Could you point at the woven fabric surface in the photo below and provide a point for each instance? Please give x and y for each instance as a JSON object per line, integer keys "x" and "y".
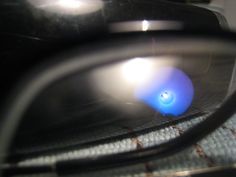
{"x": 217, "y": 149}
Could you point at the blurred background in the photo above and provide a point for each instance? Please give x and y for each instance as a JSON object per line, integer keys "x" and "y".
{"x": 225, "y": 7}
{"x": 30, "y": 36}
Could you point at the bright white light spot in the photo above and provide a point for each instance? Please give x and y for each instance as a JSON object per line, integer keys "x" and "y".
{"x": 137, "y": 71}
{"x": 165, "y": 95}
{"x": 68, "y": 7}
{"x": 145, "y": 25}
{"x": 73, "y": 4}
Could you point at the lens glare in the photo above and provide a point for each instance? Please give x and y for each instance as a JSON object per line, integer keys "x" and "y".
{"x": 170, "y": 92}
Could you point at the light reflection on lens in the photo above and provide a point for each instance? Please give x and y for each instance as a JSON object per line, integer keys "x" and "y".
{"x": 68, "y": 7}
{"x": 167, "y": 97}
{"x": 137, "y": 71}
{"x": 145, "y": 25}
{"x": 70, "y": 3}
{"x": 154, "y": 81}
{"x": 170, "y": 92}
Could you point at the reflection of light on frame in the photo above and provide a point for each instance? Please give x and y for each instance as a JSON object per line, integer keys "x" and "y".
{"x": 144, "y": 25}
{"x": 68, "y": 7}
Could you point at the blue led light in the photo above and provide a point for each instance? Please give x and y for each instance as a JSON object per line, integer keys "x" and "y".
{"x": 170, "y": 92}
{"x": 166, "y": 97}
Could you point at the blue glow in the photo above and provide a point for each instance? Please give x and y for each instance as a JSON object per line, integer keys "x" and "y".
{"x": 170, "y": 92}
